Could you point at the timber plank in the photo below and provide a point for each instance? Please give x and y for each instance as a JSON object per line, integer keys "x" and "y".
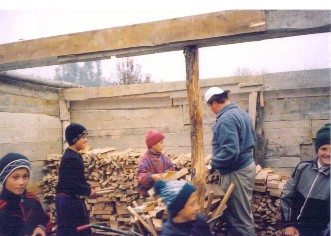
{"x": 123, "y": 103}
{"x": 23, "y": 104}
{"x": 165, "y": 35}
{"x": 128, "y": 118}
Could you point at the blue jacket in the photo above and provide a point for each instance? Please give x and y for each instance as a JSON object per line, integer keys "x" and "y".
{"x": 233, "y": 139}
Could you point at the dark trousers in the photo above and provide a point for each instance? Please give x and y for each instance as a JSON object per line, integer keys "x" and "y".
{"x": 70, "y": 213}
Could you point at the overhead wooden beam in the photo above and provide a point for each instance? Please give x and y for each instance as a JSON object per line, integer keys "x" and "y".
{"x": 165, "y": 35}
{"x": 212, "y": 29}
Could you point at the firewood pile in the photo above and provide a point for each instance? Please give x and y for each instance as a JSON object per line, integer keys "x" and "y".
{"x": 118, "y": 204}
{"x": 266, "y": 203}
{"x": 112, "y": 173}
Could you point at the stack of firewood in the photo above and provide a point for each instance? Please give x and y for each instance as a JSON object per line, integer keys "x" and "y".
{"x": 112, "y": 173}
{"x": 266, "y": 212}
{"x": 48, "y": 183}
{"x": 270, "y": 181}
{"x": 148, "y": 216}
{"x": 266, "y": 203}
{"x": 119, "y": 205}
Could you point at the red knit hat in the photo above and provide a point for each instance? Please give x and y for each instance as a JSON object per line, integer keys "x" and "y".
{"x": 153, "y": 137}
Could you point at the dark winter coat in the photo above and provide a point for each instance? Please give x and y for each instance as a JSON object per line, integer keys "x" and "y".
{"x": 72, "y": 179}
{"x": 21, "y": 214}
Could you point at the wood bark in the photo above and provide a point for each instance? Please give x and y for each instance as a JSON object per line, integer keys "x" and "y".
{"x": 195, "y": 113}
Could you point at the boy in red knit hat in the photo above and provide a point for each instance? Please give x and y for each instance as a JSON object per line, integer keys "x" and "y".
{"x": 153, "y": 164}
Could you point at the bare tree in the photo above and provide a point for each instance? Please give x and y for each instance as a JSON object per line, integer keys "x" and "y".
{"x": 129, "y": 72}
{"x": 244, "y": 71}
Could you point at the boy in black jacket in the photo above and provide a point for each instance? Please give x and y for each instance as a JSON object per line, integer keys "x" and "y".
{"x": 181, "y": 200}
{"x": 70, "y": 207}
{"x": 21, "y": 212}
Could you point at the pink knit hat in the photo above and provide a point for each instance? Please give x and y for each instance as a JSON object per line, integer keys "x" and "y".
{"x": 153, "y": 137}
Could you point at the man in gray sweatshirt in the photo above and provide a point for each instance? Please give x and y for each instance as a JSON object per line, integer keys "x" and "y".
{"x": 232, "y": 156}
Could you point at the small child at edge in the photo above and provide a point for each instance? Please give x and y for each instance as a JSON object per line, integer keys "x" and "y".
{"x": 181, "y": 200}
{"x": 21, "y": 212}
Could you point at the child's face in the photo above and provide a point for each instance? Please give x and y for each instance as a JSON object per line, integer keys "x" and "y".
{"x": 17, "y": 181}
{"x": 158, "y": 147}
{"x": 191, "y": 208}
{"x": 323, "y": 154}
{"x": 81, "y": 143}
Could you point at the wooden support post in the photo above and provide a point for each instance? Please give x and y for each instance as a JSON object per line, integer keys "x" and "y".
{"x": 195, "y": 110}
{"x": 65, "y": 119}
{"x": 252, "y": 100}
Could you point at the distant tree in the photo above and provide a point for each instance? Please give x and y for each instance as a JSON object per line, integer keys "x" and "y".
{"x": 129, "y": 72}
{"x": 68, "y": 73}
{"x": 244, "y": 71}
{"x": 86, "y": 75}
{"x": 89, "y": 74}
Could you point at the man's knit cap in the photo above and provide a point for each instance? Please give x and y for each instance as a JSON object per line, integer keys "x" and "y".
{"x": 174, "y": 194}
{"x": 74, "y": 132}
{"x": 11, "y": 162}
{"x": 153, "y": 137}
{"x": 322, "y": 137}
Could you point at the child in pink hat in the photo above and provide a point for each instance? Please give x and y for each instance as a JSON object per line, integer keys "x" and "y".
{"x": 153, "y": 164}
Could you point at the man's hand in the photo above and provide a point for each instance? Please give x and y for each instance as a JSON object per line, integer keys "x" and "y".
{"x": 38, "y": 232}
{"x": 291, "y": 231}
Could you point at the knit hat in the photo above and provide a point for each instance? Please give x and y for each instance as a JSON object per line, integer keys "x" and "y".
{"x": 74, "y": 132}
{"x": 11, "y": 162}
{"x": 174, "y": 193}
{"x": 322, "y": 137}
{"x": 153, "y": 137}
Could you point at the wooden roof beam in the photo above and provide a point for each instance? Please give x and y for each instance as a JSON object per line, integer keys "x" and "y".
{"x": 218, "y": 28}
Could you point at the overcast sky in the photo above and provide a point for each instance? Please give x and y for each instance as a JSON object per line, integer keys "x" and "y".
{"x": 43, "y": 19}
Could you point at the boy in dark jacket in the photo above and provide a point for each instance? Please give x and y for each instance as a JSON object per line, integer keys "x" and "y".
{"x": 305, "y": 200}
{"x": 153, "y": 164}
{"x": 181, "y": 200}
{"x": 21, "y": 212}
{"x": 70, "y": 207}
